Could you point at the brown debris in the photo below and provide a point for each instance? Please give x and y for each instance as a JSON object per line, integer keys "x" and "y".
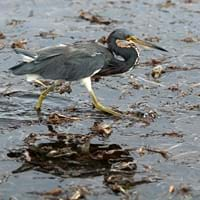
{"x": 120, "y": 183}
{"x": 171, "y": 189}
{"x": 195, "y": 85}
{"x": 61, "y": 86}
{"x": 124, "y": 167}
{"x": 103, "y": 40}
{"x": 144, "y": 118}
{"x": 173, "y": 134}
{"x": 157, "y": 71}
{"x": 152, "y": 39}
{"x": 66, "y": 87}
{"x": 2, "y": 36}
{"x": 174, "y": 87}
{"x": 194, "y": 107}
{"x": 54, "y": 192}
{"x": 143, "y": 150}
{"x": 184, "y": 189}
{"x": 2, "y": 45}
{"x": 72, "y": 155}
{"x": 189, "y": 1}
{"x": 155, "y": 62}
{"x": 80, "y": 192}
{"x": 19, "y": 44}
{"x": 135, "y": 84}
{"x": 94, "y": 18}
{"x": 167, "y": 4}
{"x": 55, "y": 118}
{"x": 173, "y": 68}
{"x": 190, "y": 39}
{"x": 47, "y": 35}
{"x": 101, "y": 129}
{"x": 15, "y": 22}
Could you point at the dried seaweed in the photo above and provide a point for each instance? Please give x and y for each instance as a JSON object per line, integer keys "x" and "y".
{"x": 101, "y": 129}
{"x": 157, "y": 71}
{"x": 2, "y": 36}
{"x": 55, "y": 118}
{"x": 72, "y": 155}
{"x": 94, "y": 18}
{"x": 47, "y": 35}
{"x": 19, "y": 44}
{"x": 15, "y": 22}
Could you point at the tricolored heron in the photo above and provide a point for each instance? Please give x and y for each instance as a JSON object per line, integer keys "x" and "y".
{"x": 81, "y": 61}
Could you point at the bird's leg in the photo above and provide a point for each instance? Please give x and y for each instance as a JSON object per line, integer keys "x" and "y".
{"x": 101, "y": 107}
{"x": 97, "y": 104}
{"x": 43, "y": 96}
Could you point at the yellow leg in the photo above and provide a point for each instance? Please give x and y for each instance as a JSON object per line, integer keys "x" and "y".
{"x": 43, "y": 96}
{"x": 101, "y": 107}
{"x": 97, "y": 104}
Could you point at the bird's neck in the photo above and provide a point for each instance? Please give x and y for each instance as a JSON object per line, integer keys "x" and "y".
{"x": 130, "y": 55}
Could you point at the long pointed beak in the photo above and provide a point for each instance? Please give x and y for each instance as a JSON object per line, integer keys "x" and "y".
{"x": 135, "y": 40}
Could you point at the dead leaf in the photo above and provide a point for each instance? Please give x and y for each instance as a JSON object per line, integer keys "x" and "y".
{"x": 47, "y": 35}
{"x": 167, "y": 4}
{"x": 194, "y": 107}
{"x": 163, "y": 153}
{"x": 80, "y": 192}
{"x": 94, "y": 18}
{"x": 27, "y": 156}
{"x": 15, "y": 22}
{"x": 135, "y": 84}
{"x": 174, "y": 87}
{"x": 101, "y": 129}
{"x": 184, "y": 189}
{"x": 55, "y": 118}
{"x": 19, "y": 44}
{"x": 173, "y": 134}
{"x": 124, "y": 166}
{"x": 141, "y": 151}
{"x": 2, "y": 36}
{"x": 190, "y": 39}
{"x": 157, "y": 71}
{"x": 171, "y": 189}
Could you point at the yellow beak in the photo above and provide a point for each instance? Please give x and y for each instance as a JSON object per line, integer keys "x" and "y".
{"x": 135, "y": 40}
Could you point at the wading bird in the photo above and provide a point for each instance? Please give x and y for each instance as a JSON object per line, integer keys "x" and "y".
{"x": 81, "y": 61}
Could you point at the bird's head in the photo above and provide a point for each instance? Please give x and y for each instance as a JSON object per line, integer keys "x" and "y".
{"x": 124, "y": 39}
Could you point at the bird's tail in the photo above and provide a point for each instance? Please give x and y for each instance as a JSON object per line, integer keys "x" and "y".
{"x": 22, "y": 68}
{"x": 17, "y": 68}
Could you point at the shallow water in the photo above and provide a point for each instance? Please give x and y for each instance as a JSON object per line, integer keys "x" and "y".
{"x": 177, "y": 109}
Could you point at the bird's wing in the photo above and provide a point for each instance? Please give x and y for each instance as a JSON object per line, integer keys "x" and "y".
{"x": 63, "y": 62}
{"x": 49, "y": 52}
{"x": 73, "y": 66}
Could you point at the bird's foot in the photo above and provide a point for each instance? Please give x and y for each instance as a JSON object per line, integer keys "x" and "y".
{"x": 107, "y": 110}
